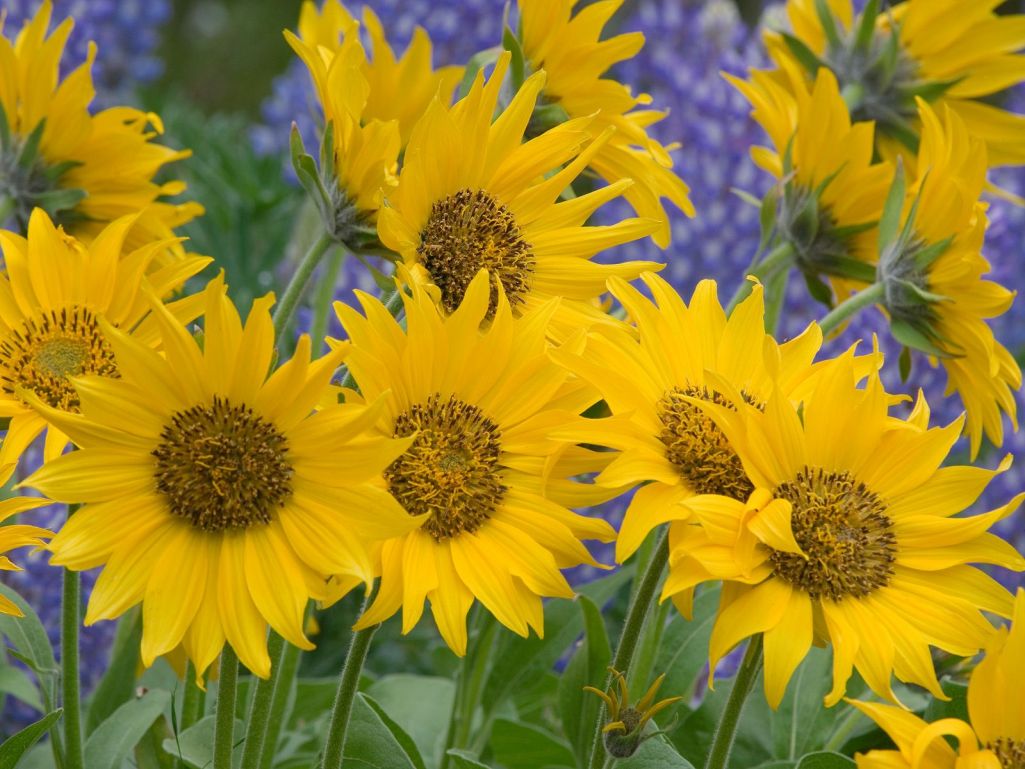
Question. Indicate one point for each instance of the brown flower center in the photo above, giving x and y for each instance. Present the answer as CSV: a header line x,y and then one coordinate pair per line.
x,y
223,466
451,472
1010,753
470,231
698,448
843,529
45,352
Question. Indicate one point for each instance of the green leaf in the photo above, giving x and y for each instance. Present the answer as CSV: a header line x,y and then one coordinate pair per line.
x,y
825,760
517,60
16,682
118,683
588,666
867,26
114,739
462,759
909,336
889,223
370,743
684,650
805,55
421,705
767,217
525,746
407,743
828,23
30,149
955,707
656,753
31,644
197,743
477,62
13,749
905,363
518,660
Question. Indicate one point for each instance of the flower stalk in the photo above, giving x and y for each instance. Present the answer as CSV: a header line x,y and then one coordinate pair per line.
x,y
847,309
743,683
224,724
284,312
71,618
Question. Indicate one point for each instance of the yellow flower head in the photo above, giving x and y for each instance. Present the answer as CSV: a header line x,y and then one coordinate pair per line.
x,y
212,493
365,150
935,293
89,169
569,48
995,738
825,163
17,535
949,52
849,538
473,195
54,295
486,487
648,382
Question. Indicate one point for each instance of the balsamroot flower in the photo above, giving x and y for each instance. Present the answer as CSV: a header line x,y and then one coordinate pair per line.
x,y
488,490
212,493
849,538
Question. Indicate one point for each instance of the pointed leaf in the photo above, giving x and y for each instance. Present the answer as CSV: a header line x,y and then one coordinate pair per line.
x,y
13,749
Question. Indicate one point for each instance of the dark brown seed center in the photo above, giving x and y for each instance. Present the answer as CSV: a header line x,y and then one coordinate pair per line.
x,y
451,472
843,529
470,231
223,466
1010,753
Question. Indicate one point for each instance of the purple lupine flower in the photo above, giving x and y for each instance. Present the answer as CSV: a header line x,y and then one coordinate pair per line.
x,y
126,33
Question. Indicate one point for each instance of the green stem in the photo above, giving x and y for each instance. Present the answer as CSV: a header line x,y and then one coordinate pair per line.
x,y
472,677
730,719
297,284
71,617
775,298
874,294
325,295
224,725
780,258
843,731
347,686
279,703
259,712
192,704
631,633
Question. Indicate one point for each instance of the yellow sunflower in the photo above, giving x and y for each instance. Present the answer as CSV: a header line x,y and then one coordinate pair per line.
x,y
833,191
664,441
489,490
935,294
86,169
949,52
995,738
849,538
53,295
212,493
18,535
473,195
569,48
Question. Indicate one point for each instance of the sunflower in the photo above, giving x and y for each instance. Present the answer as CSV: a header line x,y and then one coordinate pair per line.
x,y
569,48
53,295
18,535
848,538
87,170
995,738
242,500
833,191
949,52
934,291
472,195
488,488
664,441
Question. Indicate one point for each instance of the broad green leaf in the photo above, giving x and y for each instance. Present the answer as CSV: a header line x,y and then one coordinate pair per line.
x,y
407,743
369,743
13,749
197,743
31,644
114,739
656,753
313,697
118,683
17,683
955,707
517,659
524,746
684,649
824,760
588,666
461,759
421,705
785,764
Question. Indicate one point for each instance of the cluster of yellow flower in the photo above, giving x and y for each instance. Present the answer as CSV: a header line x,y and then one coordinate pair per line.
x,y
224,489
